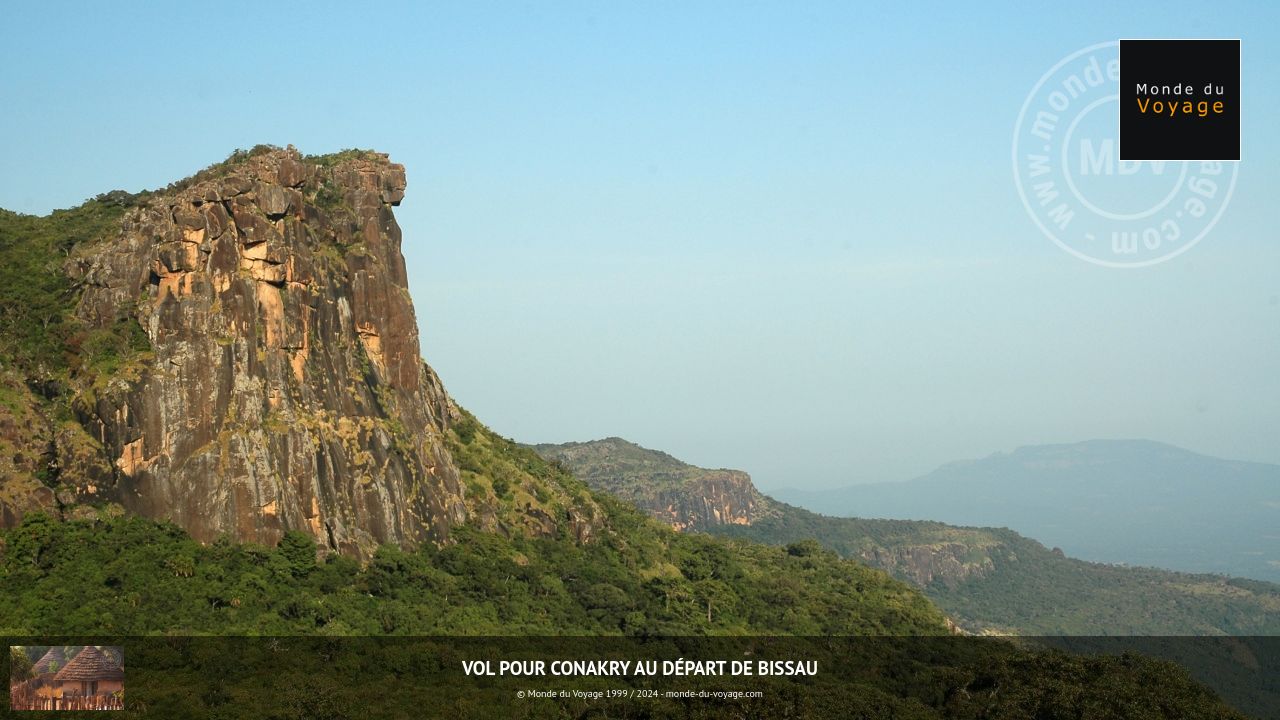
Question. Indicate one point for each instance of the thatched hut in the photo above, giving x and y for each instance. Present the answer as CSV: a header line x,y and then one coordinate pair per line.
x,y
90,672
44,670
50,663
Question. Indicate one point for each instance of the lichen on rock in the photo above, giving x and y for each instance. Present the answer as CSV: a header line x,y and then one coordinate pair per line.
x,y
284,388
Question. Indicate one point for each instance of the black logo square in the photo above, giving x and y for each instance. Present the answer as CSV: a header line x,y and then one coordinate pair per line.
x,y
1179,99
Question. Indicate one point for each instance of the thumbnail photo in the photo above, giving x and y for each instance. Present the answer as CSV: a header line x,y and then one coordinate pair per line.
x,y
66,677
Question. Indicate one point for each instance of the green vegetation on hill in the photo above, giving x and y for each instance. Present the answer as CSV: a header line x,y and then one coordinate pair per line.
x,y
38,334
1030,590
512,488
1135,502
1040,592
133,576
988,580
623,468
636,577
48,356
675,493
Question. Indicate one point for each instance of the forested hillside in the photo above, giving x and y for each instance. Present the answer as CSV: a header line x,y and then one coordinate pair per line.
x,y
995,580
988,580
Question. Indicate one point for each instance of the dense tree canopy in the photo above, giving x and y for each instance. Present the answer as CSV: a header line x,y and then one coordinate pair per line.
x,y
137,576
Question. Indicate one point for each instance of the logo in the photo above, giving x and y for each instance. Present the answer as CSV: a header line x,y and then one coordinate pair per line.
x,y
1073,184
1180,99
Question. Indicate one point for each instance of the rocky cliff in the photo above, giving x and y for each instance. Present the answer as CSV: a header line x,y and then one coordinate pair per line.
x,y
946,563
681,495
283,386
691,498
242,358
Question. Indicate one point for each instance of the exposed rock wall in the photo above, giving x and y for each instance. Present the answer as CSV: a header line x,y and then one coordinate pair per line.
x,y
713,497
682,495
284,388
948,564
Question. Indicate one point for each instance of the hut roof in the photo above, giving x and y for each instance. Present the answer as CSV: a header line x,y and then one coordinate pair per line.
x,y
90,664
53,655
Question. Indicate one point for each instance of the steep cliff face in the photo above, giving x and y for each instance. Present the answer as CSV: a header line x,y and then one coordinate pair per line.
x,y
278,382
681,495
948,563
713,497
238,353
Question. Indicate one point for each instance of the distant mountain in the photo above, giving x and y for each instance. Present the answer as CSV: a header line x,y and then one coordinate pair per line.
x,y
988,580
1118,501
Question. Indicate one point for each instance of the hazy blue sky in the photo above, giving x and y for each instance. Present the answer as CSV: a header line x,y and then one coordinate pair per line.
x,y
776,236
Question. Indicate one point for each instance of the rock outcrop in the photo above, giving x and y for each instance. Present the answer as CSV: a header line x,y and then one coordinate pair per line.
x,y
283,386
949,564
713,497
691,498
683,496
